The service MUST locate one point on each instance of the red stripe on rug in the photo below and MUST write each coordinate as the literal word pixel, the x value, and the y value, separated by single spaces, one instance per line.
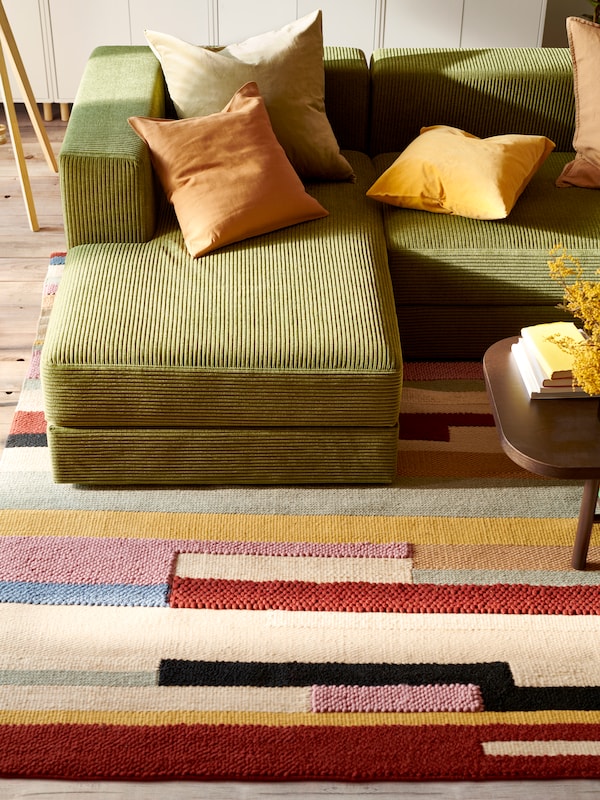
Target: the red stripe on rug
pixel 436 427
pixel 442 371
pixel 28 422
pixel 388 598
pixel 243 752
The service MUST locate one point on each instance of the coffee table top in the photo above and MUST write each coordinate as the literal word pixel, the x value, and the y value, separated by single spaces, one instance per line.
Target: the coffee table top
pixel 555 437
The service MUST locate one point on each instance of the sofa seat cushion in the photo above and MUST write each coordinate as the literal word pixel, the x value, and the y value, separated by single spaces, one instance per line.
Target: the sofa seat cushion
pixel 449 260
pixel 295 327
pixel 292 455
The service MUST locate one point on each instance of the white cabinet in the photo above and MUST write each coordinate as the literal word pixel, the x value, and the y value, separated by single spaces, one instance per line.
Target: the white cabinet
pixel 511 23
pixel 28 23
pixel 355 28
pixel 56 37
pixel 190 20
pixel 425 23
pixel 77 28
pixel 240 19
pixel 463 23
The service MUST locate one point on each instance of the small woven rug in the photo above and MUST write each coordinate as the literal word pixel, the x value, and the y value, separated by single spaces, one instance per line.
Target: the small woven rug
pixel 432 629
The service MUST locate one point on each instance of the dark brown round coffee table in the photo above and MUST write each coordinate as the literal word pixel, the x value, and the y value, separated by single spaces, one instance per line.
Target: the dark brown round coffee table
pixel 559 438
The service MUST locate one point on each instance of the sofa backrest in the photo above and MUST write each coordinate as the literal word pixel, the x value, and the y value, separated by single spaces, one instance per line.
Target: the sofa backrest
pixel 486 92
pixel 347 96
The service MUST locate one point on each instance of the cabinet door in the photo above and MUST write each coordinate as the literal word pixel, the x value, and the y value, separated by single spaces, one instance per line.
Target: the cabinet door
pixel 26 22
pixel 187 19
pixel 343 27
pixel 77 28
pixel 511 23
pixel 239 19
pixel 427 23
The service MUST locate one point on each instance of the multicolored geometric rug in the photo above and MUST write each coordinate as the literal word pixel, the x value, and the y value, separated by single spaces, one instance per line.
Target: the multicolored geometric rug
pixel 432 629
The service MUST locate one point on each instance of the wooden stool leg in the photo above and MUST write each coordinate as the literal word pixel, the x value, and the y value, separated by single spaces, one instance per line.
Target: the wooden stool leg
pixel 584 525
pixel 7 40
pixel 17 144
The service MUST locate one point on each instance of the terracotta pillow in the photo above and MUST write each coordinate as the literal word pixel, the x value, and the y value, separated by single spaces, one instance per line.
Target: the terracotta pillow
pixel 584 44
pixel 288 67
pixel 448 171
pixel 226 174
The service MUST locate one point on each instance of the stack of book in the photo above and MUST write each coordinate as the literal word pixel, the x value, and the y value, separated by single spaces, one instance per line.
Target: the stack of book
pixel 545 367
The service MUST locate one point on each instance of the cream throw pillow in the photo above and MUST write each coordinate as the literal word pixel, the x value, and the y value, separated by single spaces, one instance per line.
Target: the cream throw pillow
pixel 584 44
pixel 226 174
pixel 449 171
pixel 288 67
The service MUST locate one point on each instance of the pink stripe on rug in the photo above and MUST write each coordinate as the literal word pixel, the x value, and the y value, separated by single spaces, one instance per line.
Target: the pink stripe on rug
pixel 79 561
pixel 400 698
pixel 144 562
pixel 309 549
pixel 34 366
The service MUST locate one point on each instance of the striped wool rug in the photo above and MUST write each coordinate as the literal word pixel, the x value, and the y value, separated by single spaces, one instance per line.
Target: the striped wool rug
pixel 432 629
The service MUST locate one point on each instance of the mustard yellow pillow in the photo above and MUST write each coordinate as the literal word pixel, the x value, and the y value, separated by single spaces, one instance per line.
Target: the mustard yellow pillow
pixel 226 174
pixel 584 44
pixel 287 65
pixel 449 171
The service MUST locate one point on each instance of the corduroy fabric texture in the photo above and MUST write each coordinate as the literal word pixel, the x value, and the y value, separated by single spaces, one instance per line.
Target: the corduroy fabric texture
pixel 107 181
pixel 484 280
pixel 109 192
pixel 486 92
pixel 292 455
pixel 347 96
pixel 278 332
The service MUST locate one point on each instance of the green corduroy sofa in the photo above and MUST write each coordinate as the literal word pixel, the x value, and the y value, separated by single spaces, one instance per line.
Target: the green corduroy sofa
pixel 279 359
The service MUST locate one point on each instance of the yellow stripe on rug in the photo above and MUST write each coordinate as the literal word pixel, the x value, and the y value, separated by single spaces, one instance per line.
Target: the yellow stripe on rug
pixel 523 531
pixel 155 718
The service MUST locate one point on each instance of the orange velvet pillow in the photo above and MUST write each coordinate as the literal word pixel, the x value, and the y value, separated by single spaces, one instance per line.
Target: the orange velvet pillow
pixel 226 174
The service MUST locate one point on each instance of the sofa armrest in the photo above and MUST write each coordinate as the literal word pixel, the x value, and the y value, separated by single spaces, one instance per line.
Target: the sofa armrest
pixel 107 184
pixel 347 96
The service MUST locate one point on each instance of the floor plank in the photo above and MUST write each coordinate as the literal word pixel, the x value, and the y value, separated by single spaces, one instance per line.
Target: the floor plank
pixel 24 259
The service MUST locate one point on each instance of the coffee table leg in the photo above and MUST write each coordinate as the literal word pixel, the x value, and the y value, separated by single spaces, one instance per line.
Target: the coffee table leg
pixel 584 525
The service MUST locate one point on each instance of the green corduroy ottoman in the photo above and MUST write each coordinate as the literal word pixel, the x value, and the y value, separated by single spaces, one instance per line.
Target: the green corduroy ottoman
pixel 275 360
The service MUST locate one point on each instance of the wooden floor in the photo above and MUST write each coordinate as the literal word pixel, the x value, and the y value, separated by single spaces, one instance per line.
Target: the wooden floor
pixel 23 262
pixel 24 258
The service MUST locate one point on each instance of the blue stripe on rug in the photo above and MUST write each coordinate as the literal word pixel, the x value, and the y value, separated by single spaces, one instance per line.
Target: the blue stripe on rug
pixel 67 594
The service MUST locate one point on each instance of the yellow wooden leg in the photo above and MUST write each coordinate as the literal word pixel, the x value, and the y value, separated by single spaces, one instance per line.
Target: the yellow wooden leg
pixel 48 112
pixel 65 112
pixel 7 40
pixel 17 144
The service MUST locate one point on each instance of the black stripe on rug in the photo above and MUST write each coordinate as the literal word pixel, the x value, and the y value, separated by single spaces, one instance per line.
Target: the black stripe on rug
pixel 494 679
pixel 26 440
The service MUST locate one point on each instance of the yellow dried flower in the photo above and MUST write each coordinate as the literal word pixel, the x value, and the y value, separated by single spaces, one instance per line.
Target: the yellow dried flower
pixel 582 299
